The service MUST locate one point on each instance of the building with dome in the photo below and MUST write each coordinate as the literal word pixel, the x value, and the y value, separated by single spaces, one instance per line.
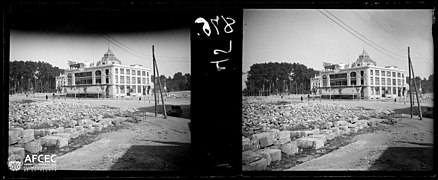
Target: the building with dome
pixel 105 78
pixel 364 79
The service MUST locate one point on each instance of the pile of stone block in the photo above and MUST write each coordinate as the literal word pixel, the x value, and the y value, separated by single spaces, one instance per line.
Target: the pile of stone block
pixel 33 140
pixel 261 149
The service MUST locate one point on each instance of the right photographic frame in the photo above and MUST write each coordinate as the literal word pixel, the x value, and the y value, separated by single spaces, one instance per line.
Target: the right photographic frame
pixel 337 90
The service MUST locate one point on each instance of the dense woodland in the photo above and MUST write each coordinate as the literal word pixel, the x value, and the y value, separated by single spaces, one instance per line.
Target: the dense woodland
pixel 30 76
pixel 274 77
pixel 179 82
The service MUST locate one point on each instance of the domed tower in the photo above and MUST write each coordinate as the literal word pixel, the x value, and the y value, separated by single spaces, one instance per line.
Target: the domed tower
pixel 364 60
pixel 108 58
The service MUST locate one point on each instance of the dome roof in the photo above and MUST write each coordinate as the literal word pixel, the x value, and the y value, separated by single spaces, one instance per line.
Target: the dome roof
pixel 364 60
pixel 108 58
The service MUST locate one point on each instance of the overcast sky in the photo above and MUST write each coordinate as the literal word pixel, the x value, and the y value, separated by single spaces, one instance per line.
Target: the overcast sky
pixel 310 38
pixel 172 48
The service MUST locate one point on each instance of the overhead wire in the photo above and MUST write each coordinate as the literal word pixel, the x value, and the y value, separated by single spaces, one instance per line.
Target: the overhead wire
pixel 360 38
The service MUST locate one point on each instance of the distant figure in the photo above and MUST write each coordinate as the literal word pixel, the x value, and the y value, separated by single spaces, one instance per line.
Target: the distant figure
pixel 27 95
pixel 139 99
pixel 308 97
pixel 47 97
pixel 53 95
pixel 301 98
pixel 395 100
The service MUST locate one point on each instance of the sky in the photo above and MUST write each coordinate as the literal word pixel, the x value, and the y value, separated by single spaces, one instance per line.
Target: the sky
pixel 172 48
pixel 309 37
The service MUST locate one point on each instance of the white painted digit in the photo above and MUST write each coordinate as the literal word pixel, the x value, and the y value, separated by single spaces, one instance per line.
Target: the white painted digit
pixel 205 27
pixel 219 68
pixel 215 25
pixel 216 51
pixel 228 24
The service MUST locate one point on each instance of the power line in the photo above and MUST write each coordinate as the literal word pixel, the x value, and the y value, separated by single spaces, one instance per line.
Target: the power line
pixel 363 35
pixel 142 55
pixel 359 37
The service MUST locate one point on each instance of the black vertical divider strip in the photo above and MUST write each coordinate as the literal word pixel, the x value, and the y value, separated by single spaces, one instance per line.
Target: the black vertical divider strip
pixel 216 94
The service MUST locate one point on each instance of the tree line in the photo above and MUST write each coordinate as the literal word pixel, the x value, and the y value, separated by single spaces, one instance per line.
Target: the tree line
pixel 425 84
pixel 179 82
pixel 32 76
pixel 274 77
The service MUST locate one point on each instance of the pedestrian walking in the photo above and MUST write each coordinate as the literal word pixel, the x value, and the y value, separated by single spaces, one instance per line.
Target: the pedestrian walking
pixel 395 100
pixel 308 97
pixel 301 98
pixel 47 97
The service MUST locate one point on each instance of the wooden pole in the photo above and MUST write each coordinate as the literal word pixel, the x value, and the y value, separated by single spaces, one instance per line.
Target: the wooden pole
pixel 159 84
pixel 155 79
pixel 416 90
pixel 410 87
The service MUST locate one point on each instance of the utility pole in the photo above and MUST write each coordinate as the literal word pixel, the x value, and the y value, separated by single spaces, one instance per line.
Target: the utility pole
pixel 159 84
pixel 155 80
pixel 410 88
pixel 416 90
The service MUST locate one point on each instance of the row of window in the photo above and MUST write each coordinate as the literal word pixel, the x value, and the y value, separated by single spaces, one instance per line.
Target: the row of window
pixel 386 73
pixel 128 80
pixel 387 81
pixel 132 72
pixel 386 90
pixel 131 89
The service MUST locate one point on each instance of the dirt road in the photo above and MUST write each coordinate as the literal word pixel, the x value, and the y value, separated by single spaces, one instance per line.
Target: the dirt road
pixel 408 145
pixel 152 145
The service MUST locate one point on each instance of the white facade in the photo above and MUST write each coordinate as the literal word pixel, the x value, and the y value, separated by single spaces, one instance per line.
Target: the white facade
pixel 108 78
pixel 363 79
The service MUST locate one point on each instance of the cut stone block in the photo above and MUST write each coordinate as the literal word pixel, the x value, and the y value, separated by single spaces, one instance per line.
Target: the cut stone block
pixel 306 133
pixel 326 131
pixel 331 136
pixel 62 142
pixel 354 129
pixel 274 132
pixel 33 146
pixel 263 142
pixel 315 131
pixel 246 144
pixel 339 123
pixel 265 155
pixel 343 128
pixel 254 145
pixel 335 129
pixel 295 134
pixel 322 137
pixel 74 134
pixel 27 136
pixel 78 128
pixel 259 165
pixel 69 130
pixel 269 138
pixel 13 137
pixel 348 131
pixel 60 130
pixel 284 140
pixel 49 132
pixel 283 134
pixel 250 156
pixel 39 133
pixel 19 131
pixel 16 151
pixel 48 141
pixel 290 148
pixel 64 135
pixel 308 142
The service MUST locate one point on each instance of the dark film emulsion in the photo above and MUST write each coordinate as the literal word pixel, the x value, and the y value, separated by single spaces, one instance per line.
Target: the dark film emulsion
pixel 216 51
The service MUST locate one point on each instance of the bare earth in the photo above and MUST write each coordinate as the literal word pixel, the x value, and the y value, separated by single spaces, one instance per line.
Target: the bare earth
pixel 408 145
pixel 152 144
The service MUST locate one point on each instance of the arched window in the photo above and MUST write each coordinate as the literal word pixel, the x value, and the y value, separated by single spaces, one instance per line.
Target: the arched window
pixel 70 79
pixel 353 79
pixel 324 80
pixel 98 77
